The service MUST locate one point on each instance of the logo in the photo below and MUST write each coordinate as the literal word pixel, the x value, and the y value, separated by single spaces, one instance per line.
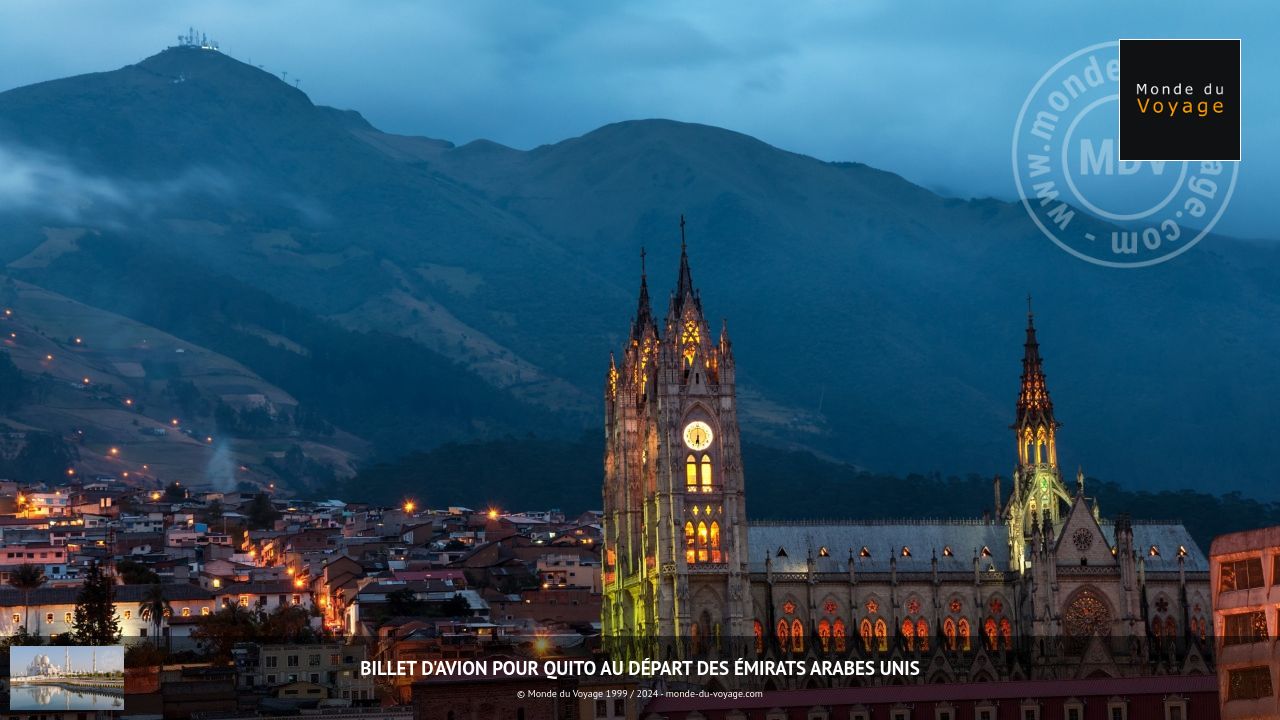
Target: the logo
pixel 1082 196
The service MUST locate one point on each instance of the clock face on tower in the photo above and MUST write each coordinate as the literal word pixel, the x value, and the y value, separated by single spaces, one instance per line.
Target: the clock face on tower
pixel 697 435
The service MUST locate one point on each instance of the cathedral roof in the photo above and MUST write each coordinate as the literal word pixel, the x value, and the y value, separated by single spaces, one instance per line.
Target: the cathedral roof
pixel 882 540
pixel 1167 538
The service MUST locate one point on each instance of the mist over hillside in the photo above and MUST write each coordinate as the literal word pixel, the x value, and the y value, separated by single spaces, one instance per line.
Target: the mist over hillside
pixel 874 322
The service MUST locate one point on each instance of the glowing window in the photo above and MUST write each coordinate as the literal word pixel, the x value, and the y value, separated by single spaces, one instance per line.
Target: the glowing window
pixel 689 550
pixel 909 634
pixel 922 635
pixel 128 614
pixel 1006 632
pixel 882 635
pixel 691 473
pixel 715 542
pixel 864 632
pixel 797 636
pixel 949 631
pixel 864 552
pixel 824 635
pixel 837 629
pixel 784 633
pixel 702 542
pixel 186 612
pixel 706 473
pixel 991 633
pixel 824 552
pixel 759 632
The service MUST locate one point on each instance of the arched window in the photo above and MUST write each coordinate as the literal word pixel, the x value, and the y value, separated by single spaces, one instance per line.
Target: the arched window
pixel 702 542
pixel 864 631
pixel 882 635
pixel 759 632
pixel 909 634
pixel 1157 628
pixel 964 635
pixel 715 542
pixel 1170 628
pixel 797 636
pixel 949 631
pixel 1006 632
pixel 695 642
pixel 824 635
pixel 837 629
pixel 689 537
pixel 922 635
pixel 691 473
pixel 991 633
pixel 784 633
pixel 706 473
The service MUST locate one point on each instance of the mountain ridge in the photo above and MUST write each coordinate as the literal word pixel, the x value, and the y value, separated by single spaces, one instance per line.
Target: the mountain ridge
pixel 875 321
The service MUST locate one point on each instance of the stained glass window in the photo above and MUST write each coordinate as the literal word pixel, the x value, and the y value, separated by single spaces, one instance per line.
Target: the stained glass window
pixel 1006 632
pixel 715 542
pixel 964 635
pixel 882 635
pixel 837 629
pixel 864 631
pixel 991 633
pixel 689 538
pixel 702 542
pixel 949 630
pixel 1087 615
pixel 706 473
pixel 824 635
pixel 797 636
pixel 691 473
pixel 922 635
pixel 784 633
pixel 759 632
pixel 909 634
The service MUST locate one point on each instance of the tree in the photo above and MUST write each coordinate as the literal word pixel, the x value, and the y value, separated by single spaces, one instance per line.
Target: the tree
pixel 27 577
pixel 135 573
pixel 219 632
pixel 173 493
pixel 94 621
pixel 155 609
pixel 287 624
pixel 262 514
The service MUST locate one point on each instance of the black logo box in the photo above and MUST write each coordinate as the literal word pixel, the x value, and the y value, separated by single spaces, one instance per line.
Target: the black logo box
pixel 1183 64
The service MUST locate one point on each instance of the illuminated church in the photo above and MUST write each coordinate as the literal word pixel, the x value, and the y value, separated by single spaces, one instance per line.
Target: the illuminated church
pixel 1048 587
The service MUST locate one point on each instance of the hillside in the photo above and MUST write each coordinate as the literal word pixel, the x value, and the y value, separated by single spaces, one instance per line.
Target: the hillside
pixel 142 405
pixel 874 322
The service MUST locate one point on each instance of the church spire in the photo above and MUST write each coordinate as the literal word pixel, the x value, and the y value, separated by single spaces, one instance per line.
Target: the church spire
pixel 644 311
pixel 684 285
pixel 1034 404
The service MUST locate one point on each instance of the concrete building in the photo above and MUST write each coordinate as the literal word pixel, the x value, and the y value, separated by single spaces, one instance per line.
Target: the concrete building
pixel 1245 572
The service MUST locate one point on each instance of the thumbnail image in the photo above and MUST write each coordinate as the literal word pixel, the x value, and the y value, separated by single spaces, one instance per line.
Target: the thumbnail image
pixel 66 678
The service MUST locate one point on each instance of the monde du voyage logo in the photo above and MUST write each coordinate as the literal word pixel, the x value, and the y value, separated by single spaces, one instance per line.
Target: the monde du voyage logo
pixel 1125 153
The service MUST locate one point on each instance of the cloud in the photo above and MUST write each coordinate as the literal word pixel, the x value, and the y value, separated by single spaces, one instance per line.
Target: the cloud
pixel 34 182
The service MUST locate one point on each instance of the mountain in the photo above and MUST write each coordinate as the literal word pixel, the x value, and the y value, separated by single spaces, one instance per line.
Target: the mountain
pixel 875 322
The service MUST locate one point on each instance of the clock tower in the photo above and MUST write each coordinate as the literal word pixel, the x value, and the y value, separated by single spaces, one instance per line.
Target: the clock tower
pixel 675 564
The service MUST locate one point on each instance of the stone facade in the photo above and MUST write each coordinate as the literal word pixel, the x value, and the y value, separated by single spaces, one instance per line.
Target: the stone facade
pixel 1048 587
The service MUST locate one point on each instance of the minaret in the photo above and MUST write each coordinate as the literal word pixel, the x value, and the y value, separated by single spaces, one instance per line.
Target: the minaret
pixel 1037 483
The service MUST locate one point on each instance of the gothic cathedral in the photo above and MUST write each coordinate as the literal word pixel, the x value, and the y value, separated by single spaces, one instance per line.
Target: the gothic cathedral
pixel 675 511
pixel 1043 587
